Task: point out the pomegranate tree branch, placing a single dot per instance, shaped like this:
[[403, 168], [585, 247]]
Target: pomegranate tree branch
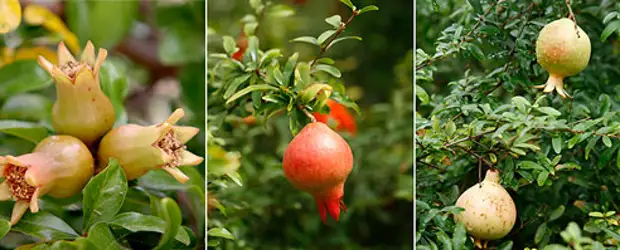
[[466, 38], [571, 16], [310, 116], [342, 27]]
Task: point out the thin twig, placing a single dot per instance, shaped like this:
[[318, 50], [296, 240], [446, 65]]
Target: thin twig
[[571, 16], [310, 116], [340, 29], [477, 156], [441, 170]]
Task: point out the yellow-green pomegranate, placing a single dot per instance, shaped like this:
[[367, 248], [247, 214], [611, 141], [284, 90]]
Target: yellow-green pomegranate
[[82, 109], [59, 166], [562, 49], [490, 212], [140, 149]]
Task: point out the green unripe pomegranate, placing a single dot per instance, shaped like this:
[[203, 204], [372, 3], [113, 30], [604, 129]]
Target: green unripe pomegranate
[[59, 166], [562, 49], [490, 212], [81, 109]]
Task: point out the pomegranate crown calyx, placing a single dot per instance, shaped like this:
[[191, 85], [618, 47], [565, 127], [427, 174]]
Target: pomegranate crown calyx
[[172, 141], [22, 184], [492, 175], [69, 68]]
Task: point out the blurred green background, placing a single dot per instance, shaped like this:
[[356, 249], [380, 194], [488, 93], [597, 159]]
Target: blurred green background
[[155, 64], [265, 211]]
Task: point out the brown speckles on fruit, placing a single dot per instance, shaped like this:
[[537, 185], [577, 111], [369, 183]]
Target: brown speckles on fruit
[[562, 53], [489, 212]]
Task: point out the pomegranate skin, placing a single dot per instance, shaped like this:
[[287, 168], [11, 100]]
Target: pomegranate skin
[[562, 49], [318, 161], [490, 213]]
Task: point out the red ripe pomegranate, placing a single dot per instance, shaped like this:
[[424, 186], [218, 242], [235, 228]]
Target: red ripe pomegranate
[[318, 161], [242, 43], [341, 116]]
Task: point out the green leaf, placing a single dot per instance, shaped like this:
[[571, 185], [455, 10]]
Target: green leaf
[[250, 28], [521, 103], [289, 69], [269, 56], [136, 222], [476, 51], [302, 75], [113, 82], [172, 215], [334, 21], [610, 29], [421, 94], [459, 236], [618, 159], [325, 35], [542, 178], [506, 245], [27, 107], [348, 3], [5, 227], [607, 141], [445, 241], [329, 69], [221, 233], [549, 111], [557, 144], [340, 39], [559, 211], [101, 235], [245, 91], [612, 234], [368, 9], [90, 20], [450, 128], [104, 195], [230, 46], [253, 47], [540, 233], [234, 84], [306, 39], [610, 16], [22, 76], [45, 226], [530, 165], [25, 130]]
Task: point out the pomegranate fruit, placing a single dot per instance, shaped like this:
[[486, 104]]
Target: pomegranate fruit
[[140, 149], [242, 43], [59, 166], [490, 212], [318, 161], [562, 49], [342, 119], [82, 109]]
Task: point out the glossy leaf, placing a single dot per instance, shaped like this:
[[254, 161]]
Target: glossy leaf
[[22, 76], [45, 226], [172, 215], [25, 130], [104, 195], [136, 222]]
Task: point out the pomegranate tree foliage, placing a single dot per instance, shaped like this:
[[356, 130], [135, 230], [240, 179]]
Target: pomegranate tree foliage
[[250, 202], [154, 211], [559, 159]]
